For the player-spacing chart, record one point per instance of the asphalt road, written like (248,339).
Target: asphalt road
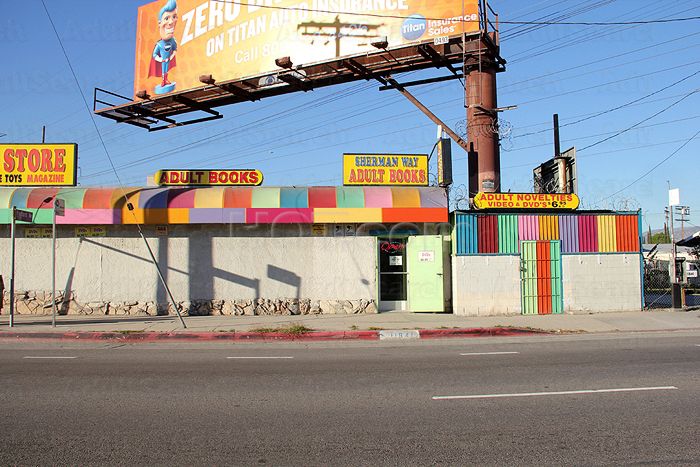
(357,404)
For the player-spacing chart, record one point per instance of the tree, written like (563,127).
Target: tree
(661,237)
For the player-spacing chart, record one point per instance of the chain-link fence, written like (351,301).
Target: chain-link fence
(657,284)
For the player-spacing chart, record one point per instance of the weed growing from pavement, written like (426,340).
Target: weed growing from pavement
(130,332)
(374,328)
(293,329)
(354,327)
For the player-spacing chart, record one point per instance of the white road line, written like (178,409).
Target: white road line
(488,353)
(259,358)
(558,393)
(49,358)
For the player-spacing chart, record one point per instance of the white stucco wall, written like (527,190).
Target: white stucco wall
(490,285)
(600,282)
(486,285)
(200,263)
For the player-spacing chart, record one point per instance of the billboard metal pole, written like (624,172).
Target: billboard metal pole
(428,113)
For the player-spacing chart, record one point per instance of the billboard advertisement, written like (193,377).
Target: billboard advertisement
(38,164)
(222,177)
(385,169)
(563,201)
(179,40)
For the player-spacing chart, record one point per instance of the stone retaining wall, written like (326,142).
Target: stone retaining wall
(39,303)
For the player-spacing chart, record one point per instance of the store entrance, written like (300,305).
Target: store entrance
(393,275)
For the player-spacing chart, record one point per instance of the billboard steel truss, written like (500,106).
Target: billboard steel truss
(157,113)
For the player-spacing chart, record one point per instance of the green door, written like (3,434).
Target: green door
(425,274)
(540,277)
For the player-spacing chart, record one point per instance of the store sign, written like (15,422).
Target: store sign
(318,230)
(426,256)
(178,41)
(563,201)
(236,177)
(37,232)
(91,231)
(161,230)
(38,164)
(385,169)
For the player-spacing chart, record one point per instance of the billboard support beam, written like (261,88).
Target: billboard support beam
(423,81)
(428,113)
(362,71)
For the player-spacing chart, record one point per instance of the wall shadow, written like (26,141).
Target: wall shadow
(286,277)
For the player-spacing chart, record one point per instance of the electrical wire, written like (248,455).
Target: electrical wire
(613,109)
(645,174)
(116,174)
(639,122)
(377,15)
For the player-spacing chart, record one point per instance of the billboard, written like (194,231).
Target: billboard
(221,177)
(38,164)
(562,201)
(385,169)
(178,41)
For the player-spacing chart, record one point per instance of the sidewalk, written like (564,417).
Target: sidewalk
(343,326)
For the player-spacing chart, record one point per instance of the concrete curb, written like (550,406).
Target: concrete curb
(184,336)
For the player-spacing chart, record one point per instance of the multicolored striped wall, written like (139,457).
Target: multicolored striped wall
(583,232)
(226,205)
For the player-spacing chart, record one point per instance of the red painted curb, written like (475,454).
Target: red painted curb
(257,336)
(478,332)
(193,336)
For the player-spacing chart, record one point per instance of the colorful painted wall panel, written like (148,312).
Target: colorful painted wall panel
(508,234)
(579,233)
(465,235)
(568,233)
(487,227)
(588,233)
(549,227)
(204,205)
(528,227)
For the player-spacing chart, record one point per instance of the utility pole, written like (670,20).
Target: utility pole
(683,212)
(671,203)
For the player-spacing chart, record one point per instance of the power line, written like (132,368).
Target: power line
(584,36)
(126,199)
(639,122)
(463,20)
(644,175)
(613,109)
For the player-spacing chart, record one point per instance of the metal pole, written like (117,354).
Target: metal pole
(557,143)
(673,241)
(43,134)
(162,279)
(12,268)
(53,268)
(428,113)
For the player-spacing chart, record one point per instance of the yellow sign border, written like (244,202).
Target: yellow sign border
(70,160)
(349,165)
(516,201)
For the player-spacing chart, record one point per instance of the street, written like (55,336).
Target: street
(355,403)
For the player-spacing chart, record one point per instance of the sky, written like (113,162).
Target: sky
(583,73)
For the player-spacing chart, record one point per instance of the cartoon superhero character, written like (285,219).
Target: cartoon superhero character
(166,48)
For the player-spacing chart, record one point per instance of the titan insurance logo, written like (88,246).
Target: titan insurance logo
(414,27)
